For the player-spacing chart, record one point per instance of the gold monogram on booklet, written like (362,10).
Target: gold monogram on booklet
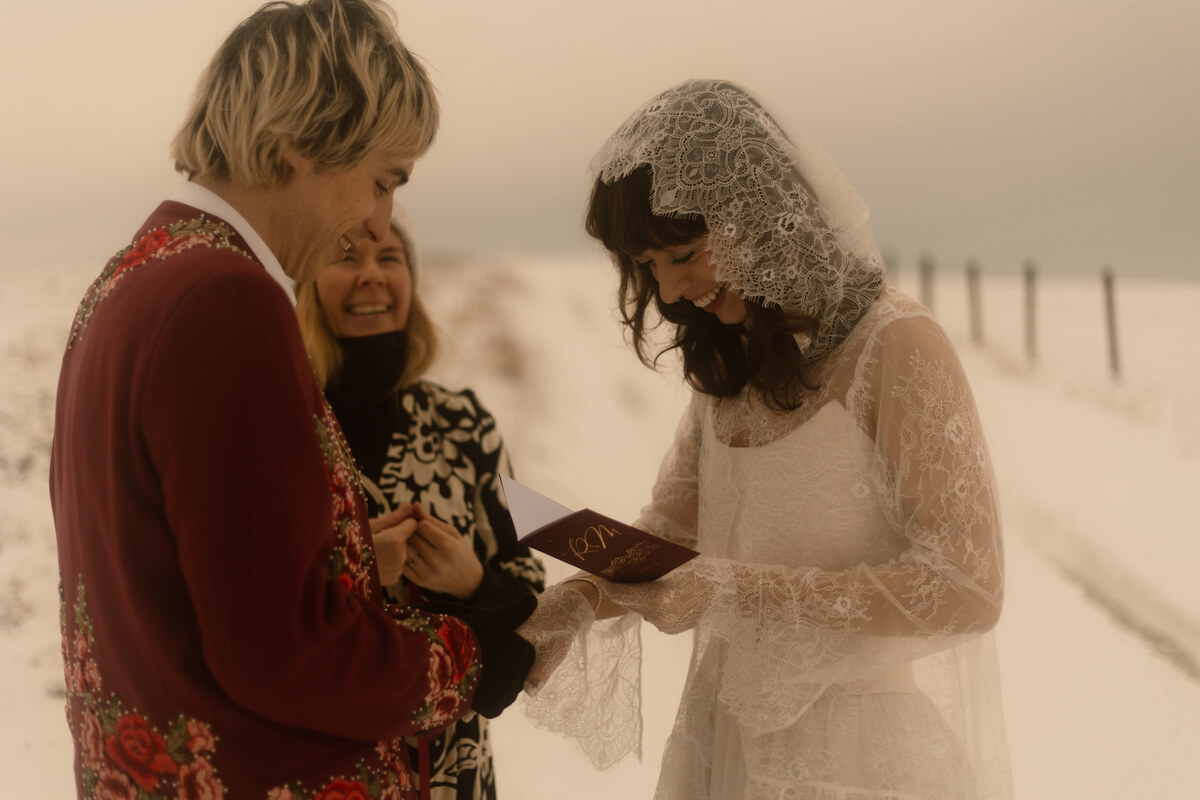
(589,540)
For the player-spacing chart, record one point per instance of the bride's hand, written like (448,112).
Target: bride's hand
(675,602)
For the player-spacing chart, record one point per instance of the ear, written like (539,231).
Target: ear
(292,162)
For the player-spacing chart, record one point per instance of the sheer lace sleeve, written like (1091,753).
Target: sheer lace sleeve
(594,696)
(671,512)
(933,479)
(798,629)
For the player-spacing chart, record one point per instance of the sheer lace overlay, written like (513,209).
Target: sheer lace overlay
(585,680)
(851,575)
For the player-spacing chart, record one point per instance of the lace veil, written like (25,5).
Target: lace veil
(785,226)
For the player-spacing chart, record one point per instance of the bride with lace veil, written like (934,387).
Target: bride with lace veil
(830,468)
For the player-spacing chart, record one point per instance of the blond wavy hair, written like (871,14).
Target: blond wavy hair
(328,77)
(326,354)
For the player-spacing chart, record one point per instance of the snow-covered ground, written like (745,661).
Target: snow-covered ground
(1100,483)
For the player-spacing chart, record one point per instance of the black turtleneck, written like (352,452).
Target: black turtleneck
(363,398)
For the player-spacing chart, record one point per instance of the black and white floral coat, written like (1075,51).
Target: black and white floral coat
(439,447)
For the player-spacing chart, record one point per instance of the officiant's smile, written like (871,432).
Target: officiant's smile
(369,291)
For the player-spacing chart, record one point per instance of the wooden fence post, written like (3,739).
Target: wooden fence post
(974,303)
(1031,310)
(1110,310)
(927,268)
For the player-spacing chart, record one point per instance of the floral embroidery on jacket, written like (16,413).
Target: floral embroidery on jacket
(453,666)
(159,244)
(122,753)
(352,554)
(395,782)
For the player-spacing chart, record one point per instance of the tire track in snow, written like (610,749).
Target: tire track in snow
(1129,601)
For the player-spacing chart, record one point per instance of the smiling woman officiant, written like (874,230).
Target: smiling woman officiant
(370,340)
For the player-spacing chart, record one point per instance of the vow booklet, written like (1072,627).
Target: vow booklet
(589,540)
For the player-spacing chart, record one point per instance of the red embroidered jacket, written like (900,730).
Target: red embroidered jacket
(223,633)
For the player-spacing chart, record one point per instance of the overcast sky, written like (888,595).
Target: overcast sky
(1063,130)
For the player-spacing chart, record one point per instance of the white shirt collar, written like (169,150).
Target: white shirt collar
(197,196)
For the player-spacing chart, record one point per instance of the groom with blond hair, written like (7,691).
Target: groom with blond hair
(224,633)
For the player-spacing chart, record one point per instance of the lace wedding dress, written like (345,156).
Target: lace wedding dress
(852,565)
(842,607)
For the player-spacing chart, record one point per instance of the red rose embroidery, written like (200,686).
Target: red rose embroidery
(200,738)
(130,759)
(363,583)
(142,250)
(346,581)
(340,482)
(405,778)
(198,781)
(91,677)
(84,677)
(181,243)
(441,671)
(460,645)
(74,678)
(389,753)
(140,751)
(113,785)
(343,790)
(91,740)
(354,544)
(442,704)
(447,709)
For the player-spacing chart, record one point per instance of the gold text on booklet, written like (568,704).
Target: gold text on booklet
(593,540)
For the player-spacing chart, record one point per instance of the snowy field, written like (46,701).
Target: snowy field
(1100,486)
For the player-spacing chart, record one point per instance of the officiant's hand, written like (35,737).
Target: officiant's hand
(442,559)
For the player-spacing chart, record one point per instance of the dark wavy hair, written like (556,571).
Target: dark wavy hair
(718,359)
